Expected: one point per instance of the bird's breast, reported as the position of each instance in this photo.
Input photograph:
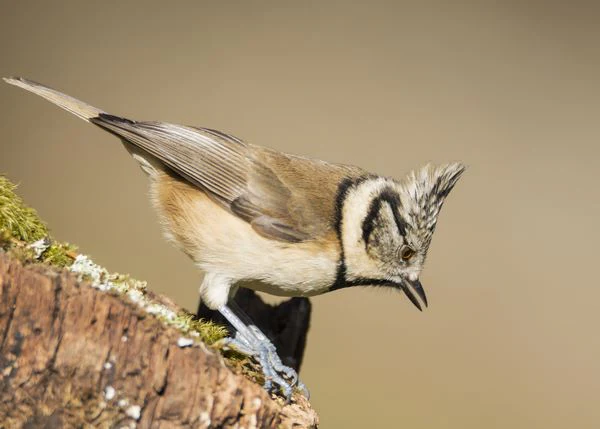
(220, 242)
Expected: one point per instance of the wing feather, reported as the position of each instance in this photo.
(283, 197)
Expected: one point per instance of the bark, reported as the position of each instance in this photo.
(72, 356)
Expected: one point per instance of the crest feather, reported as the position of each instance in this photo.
(423, 192)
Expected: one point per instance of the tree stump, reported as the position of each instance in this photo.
(73, 356)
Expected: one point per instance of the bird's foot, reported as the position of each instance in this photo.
(277, 375)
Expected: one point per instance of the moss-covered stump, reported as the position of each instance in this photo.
(82, 347)
(72, 356)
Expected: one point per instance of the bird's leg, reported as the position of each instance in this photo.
(267, 344)
(250, 340)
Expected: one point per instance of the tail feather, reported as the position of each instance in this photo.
(76, 107)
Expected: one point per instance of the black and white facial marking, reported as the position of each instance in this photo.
(367, 230)
(385, 227)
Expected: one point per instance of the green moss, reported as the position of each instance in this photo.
(17, 220)
(59, 254)
(209, 332)
(20, 225)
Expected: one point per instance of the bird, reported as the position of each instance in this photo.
(250, 216)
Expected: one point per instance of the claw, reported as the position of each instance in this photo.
(302, 387)
(266, 356)
(251, 341)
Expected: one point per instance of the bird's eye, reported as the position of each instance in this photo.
(406, 253)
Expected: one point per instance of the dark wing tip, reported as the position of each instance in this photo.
(105, 117)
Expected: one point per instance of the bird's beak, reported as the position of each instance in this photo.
(408, 286)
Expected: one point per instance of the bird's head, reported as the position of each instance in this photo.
(387, 227)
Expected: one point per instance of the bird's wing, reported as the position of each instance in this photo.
(283, 197)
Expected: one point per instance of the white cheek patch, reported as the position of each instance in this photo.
(356, 205)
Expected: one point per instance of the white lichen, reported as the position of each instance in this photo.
(109, 393)
(162, 311)
(39, 247)
(98, 276)
(204, 419)
(135, 412)
(107, 365)
(135, 291)
(135, 295)
(101, 279)
(185, 342)
(123, 403)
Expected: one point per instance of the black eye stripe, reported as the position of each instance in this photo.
(368, 222)
(393, 199)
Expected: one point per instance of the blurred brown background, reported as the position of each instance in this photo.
(512, 88)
